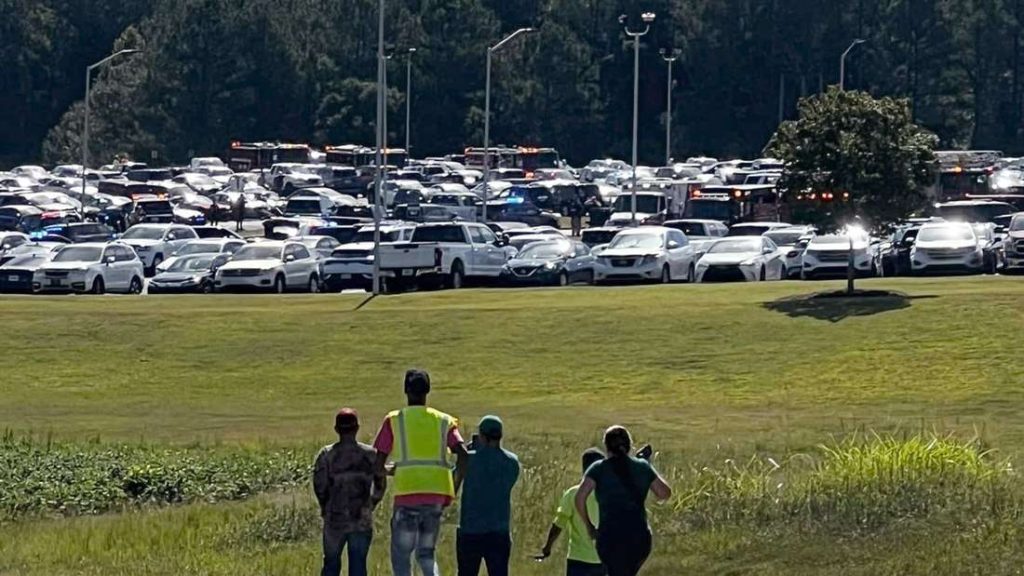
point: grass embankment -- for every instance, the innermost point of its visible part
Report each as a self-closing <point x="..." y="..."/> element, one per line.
<point x="719" y="378"/>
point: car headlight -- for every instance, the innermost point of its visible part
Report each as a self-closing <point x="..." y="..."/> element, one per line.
<point x="551" y="265"/>
<point x="750" y="262"/>
<point x="142" y="248"/>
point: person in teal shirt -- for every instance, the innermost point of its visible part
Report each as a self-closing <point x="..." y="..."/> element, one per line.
<point x="621" y="483"/>
<point x="484" y="534"/>
<point x="582" y="559"/>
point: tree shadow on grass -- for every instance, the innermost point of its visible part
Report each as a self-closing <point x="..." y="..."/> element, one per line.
<point x="838" y="306"/>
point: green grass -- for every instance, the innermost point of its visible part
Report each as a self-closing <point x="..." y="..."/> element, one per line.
<point x="708" y="374"/>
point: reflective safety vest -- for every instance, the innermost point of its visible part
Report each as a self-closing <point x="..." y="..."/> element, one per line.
<point x="421" y="451"/>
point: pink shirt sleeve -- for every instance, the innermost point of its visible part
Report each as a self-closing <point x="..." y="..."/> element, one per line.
<point x="385" y="438"/>
<point x="454" y="438"/>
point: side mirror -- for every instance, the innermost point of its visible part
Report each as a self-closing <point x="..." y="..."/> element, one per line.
<point x="672" y="244"/>
<point x="1000" y="230"/>
<point x="111" y="260"/>
<point x="767" y="251"/>
<point x="289" y="258"/>
<point x="501" y="242"/>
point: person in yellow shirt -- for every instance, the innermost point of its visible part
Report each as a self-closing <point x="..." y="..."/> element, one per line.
<point x="583" y="559"/>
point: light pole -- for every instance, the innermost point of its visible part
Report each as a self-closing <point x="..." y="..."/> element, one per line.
<point x="670" y="56"/>
<point x="379" y="173"/>
<point x="88" y="84"/>
<point x="487" y="114"/>
<point x="842" y="63"/>
<point x="408" y="96"/>
<point x="648" y="18"/>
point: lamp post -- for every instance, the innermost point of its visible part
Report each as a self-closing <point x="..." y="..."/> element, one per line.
<point x="842" y="63"/>
<point x="379" y="173"/>
<point x="487" y="113"/>
<point x="88" y="84"/>
<point x="648" y="18"/>
<point x="408" y="95"/>
<point x="669" y="56"/>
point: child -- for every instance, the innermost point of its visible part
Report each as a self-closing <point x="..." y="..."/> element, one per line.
<point x="583" y="559"/>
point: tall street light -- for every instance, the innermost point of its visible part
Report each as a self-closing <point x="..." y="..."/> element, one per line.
<point x="842" y="63"/>
<point x="378" y="206"/>
<point x="88" y="84"/>
<point x="487" y="113"/>
<point x="670" y="56"/>
<point x="408" y="95"/>
<point x="648" y="18"/>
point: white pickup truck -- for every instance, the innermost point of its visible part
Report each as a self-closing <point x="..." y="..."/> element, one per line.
<point x="445" y="253"/>
<point x="351" y="265"/>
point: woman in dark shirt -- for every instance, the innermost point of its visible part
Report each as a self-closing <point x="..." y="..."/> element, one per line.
<point x="621" y="483"/>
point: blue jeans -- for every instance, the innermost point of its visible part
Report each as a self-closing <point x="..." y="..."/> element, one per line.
<point x="358" y="548"/>
<point x="415" y="529"/>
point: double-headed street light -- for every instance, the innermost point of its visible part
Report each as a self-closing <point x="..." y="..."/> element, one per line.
<point x="842" y="63"/>
<point x="647" y="18"/>
<point x="408" y="94"/>
<point x="88" y="84"/>
<point x="669" y="56"/>
<point x="487" y="113"/>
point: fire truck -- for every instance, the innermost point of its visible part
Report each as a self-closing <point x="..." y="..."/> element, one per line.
<point x="248" y="156"/>
<point x="357" y="156"/>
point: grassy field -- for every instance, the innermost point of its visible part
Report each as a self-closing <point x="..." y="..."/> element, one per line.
<point x="708" y="374"/>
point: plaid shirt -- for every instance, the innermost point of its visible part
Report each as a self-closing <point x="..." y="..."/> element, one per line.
<point x="344" y="482"/>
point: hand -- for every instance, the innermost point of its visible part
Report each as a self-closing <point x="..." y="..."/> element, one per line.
<point x="592" y="531"/>
<point x="545" y="553"/>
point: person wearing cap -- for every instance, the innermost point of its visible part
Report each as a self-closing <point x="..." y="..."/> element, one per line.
<point x="583" y="559"/>
<point x="348" y="487"/>
<point x="418" y="439"/>
<point x="484" y="534"/>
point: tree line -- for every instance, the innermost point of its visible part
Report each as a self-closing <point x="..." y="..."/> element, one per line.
<point x="213" y="71"/>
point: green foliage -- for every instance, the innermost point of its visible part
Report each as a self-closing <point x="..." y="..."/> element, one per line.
<point x="850" y="143"/>
<point x="75" y="478"/>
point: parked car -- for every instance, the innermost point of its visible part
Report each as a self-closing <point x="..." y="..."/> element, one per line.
<point x="647" y="254"/>
<point x="465" y="205"/>
<point x="350" y="265"/>
<point x="215" y="232"/>
<point x="80" y="232"/>
<point x="755" y="228"/>
<point x="30" y="248"/>
<point x="599" y="236"/>
<point x="992" y="246"/>
<point x="424" y="213"/>
<point x="275" y="266"/>
<point x="947" y="247"/>
<point x="792" y="242"/>
<point x="93" y="267"/>
<point x="742" y="258"/>
<point x="445" y="253"/>
<point x="188" y="274"/>
<point x="17" y="273"/>
<point x="520" y="241"/>
<point x="828" y="256"/>
<point x="10" y="240"/>
<point x="208" y="246"/>
<point x="893" y="256"/>
<point x="557" y="262"/>
<point x="155" y="242"/>
<point x="1013" y="245"/>
<point x="151" y="211"/>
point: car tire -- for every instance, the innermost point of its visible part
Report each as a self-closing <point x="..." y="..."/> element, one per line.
<point x="280" y="287"/>
<point x="206" y="288"/>
<point x="591" y="278"/>
<point x="457" y="276"/>
<point x="314" y="285"/>
<point x="563" y="278"/>
<point x="666" y="275"/>
<point x="135" y="286"/>
<point x="98" y="286"/>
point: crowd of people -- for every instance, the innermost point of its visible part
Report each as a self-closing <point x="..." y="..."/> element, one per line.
<point x="605" y="515"/>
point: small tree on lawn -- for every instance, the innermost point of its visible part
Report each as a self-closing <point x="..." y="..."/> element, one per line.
<point x="851" y="156"/>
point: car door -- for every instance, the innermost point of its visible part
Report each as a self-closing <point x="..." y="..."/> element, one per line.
<point x="128" y="264"/>
<point x="773" y="262"/>
<point x="113" y="274"/>
<point x="680" y="253"/>
<point x="496" y="255"/>
<point x="580" y="265"/>
<point x="478" y="252"/>
<point x="293" y="266"/>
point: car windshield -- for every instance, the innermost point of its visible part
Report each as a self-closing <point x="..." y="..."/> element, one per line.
<point x="24" y="260"/>
<point x="645" y="203"/>
<point x="198" y="248"/>
<point x="736" y="246"/>
<point x="647" y="241"/>
<point x="156" y="207"/>
<point x="258" y="253"/>
<point x="688" y="228"/>
<point x="192" y="264"/>
<point x="747" y="230"/>
<point x="945" y="234"/>
<point x="142" y="233"/>
<point x="785" y="238"/>
<point x="79" y="254"/>
<point x="367" y="236"/>
<point x="837" y="239"/>
<point x="544" y="251"/>
<point x="1017" y="224"/>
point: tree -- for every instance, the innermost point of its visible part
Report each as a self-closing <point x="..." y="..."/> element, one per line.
<point x="865" y="155"/>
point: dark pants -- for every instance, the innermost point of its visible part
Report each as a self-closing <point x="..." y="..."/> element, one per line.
<point x="623" y="551"/>
<point x="577" y="224"/>
<point x="358" y="548"/>
<point x="493" y="548"/>
<point x="577" y="568"/>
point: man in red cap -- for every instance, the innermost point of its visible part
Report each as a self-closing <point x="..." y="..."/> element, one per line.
<point x="348" y="489"/>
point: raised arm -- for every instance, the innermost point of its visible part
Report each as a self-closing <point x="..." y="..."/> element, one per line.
<point x="461" y="463"/>
<point x="662" y="491"/>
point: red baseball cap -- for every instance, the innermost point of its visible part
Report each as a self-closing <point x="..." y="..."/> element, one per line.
<point x="346" y="419"/>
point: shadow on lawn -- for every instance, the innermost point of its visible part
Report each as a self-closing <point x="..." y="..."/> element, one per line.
<point x="837" y="306"/>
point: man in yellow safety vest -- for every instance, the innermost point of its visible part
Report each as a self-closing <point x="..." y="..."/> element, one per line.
<point x="418" y="439"/>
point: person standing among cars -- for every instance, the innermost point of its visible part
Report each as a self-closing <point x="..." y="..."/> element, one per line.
<point x="348" y="488"/>
<point x="484" y="534"/>
<point x="576" y="210"/>
<point x="582" y="559"/>
<point x="420" y="439"/>
<point x="239" y="209"/>
<point x="621" y="483"/>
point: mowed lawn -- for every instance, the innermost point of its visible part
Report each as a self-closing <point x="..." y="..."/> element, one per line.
<point x="702" y="372"/>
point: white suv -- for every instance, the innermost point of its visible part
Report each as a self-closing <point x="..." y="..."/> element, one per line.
<point x="270" y="266"/>
<point x="829" y="256"/>
<point x="946" y="247"/>
<point x="155" y="242"/>
<point x="648" y="253"/>
<point x="91" y="267"/>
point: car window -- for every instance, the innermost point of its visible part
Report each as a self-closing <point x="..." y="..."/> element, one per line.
<point x="327" y="244"/>
<point x="487" y="234"/>
<point x="301" y="253"/>
<point x="110" y="252"/>
<point x="580" y="249"/>
<point x="233" y="247"/>
<point x="124" y="254"/>
<point x="678" y="237"/>
<point x="768" y="244"/>
<point x="476" y="235"/>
